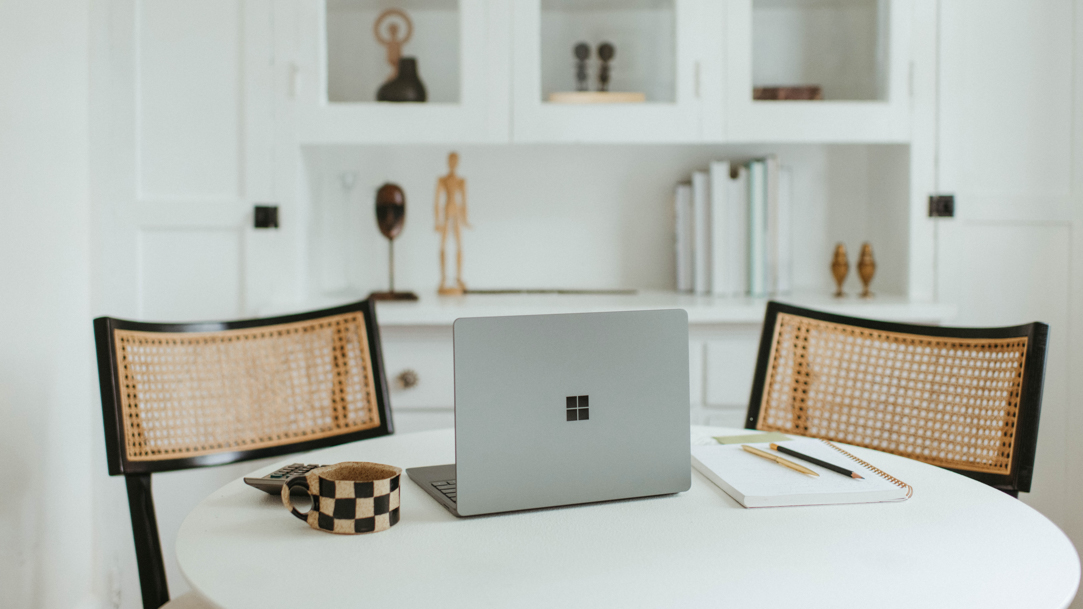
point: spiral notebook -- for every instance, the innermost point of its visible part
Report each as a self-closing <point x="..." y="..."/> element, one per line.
<point x="756" y="482"/>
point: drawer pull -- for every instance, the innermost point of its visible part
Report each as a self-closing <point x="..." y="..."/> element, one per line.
<point x="406" y="379"/>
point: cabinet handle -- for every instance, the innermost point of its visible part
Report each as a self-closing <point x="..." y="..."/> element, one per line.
<point x="407" y="379"/>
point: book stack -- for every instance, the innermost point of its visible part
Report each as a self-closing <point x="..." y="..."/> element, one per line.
<point x="733" y="223"/>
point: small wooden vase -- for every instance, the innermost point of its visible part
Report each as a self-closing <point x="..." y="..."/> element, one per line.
<point x="866" y="268"/>
<point x="840" y="268"/>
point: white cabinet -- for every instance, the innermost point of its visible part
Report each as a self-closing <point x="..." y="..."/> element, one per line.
<point x="491" y="66"/>
<point x="332" y="66"/>
<point x="857" y="51"/>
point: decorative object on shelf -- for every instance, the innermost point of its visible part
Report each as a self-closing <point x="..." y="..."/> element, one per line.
<point x="866" y="268"/>
<point x="391" y="40"/>
<point x="840" y="268"/>
<point x="803" y="92"/>
<point x="602" y="96"/>
<point x="406" y="379"/>
<point x="403" y="84"/>
<point x="606" y="51"/>
<point x="452" y="219"/>
<point x="596" y="97"/>
<point x="406" y="87"/>
<point x="582" y="54"/>
<point x="391" y="216"/>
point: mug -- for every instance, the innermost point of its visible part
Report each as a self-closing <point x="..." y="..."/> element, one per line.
<point x="349" y="498"/>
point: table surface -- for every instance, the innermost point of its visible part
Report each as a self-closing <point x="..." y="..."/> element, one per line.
<point x="955" y="543"/>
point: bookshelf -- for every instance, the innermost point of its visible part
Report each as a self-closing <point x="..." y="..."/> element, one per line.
<point x="578" y="195"/>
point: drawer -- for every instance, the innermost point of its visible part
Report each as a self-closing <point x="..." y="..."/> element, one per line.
<point x="428" y="352"/>
<point x="729" y="366"/>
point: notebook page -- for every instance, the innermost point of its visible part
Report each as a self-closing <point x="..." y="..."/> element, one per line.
<point x="762" y="482"/>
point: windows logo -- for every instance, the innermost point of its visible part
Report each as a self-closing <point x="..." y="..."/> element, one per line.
<point x="578" y="407"/>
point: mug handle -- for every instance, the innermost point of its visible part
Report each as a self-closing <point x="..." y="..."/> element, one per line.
<point x="298" y="481"/>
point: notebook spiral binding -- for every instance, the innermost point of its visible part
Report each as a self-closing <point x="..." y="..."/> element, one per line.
<point x="878" y="471"/>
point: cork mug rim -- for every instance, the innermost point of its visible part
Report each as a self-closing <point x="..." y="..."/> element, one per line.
<point x="356" y="471"/>
<point x="348" y="498"/>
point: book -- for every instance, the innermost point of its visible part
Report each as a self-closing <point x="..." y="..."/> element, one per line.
<point x="721" y="281"/>
<point x="785" y="231"/>
<point x="771" y="246"/>
<point x="701" y="240"/>
<point x="756" y="482"/>
<point x="682" y="204"/>
<point x="737" y="231"/>
<point x="757" y="228"/>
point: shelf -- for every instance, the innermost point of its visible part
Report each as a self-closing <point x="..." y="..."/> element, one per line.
<point x="357" y="63"/>
<point x="462" y="60"/>
<point x="434" y="310"/>
<point x="642" y="34"/>
<point x="839" y="45"/>
<point x="656" y="44"/>
<point x="857" y="51"/>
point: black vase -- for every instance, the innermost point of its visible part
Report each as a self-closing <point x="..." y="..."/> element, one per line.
<point x="406" y="87"/>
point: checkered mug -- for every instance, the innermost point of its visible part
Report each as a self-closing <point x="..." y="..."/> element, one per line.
<point x="349" y="498"/>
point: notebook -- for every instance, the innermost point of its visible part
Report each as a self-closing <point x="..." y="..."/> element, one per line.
<point x="756" y="482"/>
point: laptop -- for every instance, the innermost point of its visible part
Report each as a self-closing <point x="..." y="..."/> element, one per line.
<point x="556" y="410"/>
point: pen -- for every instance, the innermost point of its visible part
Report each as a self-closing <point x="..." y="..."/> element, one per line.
<point x="815" y="461"/>
<point x="783" y="462"/>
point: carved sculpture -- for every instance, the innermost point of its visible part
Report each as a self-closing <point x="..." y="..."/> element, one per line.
<point x="866" y="268"/>
<point x="451" y="220"/>
<point x="840" y="268"/>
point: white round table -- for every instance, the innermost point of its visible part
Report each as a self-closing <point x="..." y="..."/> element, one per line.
<point x="955" y="543"/>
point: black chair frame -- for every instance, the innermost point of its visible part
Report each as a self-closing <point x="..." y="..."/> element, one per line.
<point x="152" y="578"/>
<point x="1030" y="400"/>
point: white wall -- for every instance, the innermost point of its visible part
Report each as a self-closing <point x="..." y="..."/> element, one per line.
<point x="48" y="403"/>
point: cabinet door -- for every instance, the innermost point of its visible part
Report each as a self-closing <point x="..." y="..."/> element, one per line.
<point x="183" y="145"/>
<point x="657" y="54"/>
<point x="857" y="52"/>
<point x="1007" y="153"/>
<point x="335" y="65"/>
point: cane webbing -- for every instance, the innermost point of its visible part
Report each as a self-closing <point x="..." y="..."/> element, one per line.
<point x="951" y="402"/>
<point x="186" y="394"/>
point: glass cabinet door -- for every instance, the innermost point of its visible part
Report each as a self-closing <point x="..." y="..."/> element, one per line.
<point x="605" y="71"/>
<point x="349" y="87"/>
<point x="818" y="70"/>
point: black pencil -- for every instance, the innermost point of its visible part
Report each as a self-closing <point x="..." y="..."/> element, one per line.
<point x="815" y="461"/>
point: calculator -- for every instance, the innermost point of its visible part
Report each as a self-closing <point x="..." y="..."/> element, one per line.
<point x="272" y="482"/>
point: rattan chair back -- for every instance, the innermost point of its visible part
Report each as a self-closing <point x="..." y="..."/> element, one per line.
<point x="967" y="399"/>
<point x="177" y="396"/>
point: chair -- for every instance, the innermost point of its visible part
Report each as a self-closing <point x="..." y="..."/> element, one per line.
<point x="183" y="395"/>
<point x="966" y="399"/>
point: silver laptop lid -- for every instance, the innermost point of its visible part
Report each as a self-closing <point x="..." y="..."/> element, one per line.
<point x="517" y="443"/>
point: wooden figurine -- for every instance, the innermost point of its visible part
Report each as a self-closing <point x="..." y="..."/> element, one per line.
<point x="840" y="268"/>
<point x="582" y="54"/>
<point x="392" y="40"/>
<point x="606" y="51"/>
<point x="866" y="268"/>
<point x="452" y="219"/>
